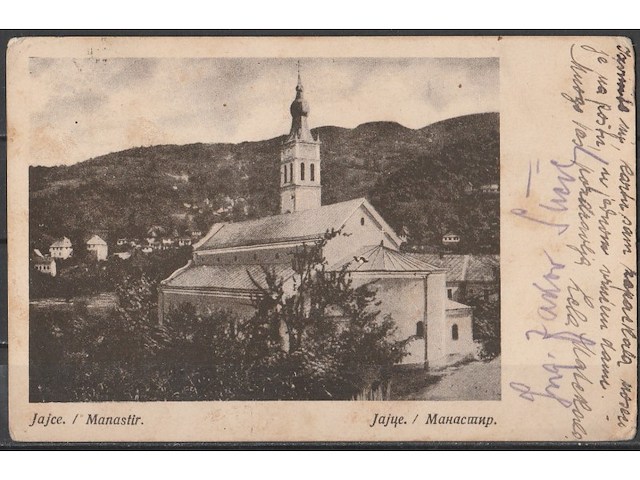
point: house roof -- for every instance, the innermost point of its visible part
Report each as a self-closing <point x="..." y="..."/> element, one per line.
<point x="96" y="240"/>
<point x="63" y="242"/>
<point x="223" y="277"/>
<point x="378" y="258"/>
<point x="464" y="268"/>
<point x="452" y="305"/>
<point x="42" y="260"/>
<point x="305" y="225"/>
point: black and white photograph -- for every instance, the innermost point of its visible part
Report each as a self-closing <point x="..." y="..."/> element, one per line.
<point x="249" y="229"/>
<point x="321" y="239"/>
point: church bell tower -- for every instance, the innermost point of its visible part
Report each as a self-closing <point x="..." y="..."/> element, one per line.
<point x="300" y="187"/>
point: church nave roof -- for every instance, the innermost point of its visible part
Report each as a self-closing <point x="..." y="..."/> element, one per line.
<point x="305" y="225"/>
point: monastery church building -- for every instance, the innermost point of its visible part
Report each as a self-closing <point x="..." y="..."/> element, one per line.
<point x="231" y="254"/>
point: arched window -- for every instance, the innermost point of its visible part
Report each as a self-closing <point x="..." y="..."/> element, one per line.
<point x="362" y="221"/>
<point x="291" y="172"/>
<point x="285" y="174"/>
<point x="420" y="329"/>
<point x="454" y="331"/>
<point x="302" y="171"/>
<point x="312" y="172"/>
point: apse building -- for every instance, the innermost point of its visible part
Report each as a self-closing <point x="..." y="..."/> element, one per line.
<point x="232" y="256"/>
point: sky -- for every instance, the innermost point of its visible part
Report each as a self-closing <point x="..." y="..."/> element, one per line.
<point x="89" y="107"/>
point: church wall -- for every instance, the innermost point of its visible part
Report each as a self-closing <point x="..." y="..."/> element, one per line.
<point x="357" y="236"/>
<point x="307" y="198"/>
<point x="464" y="345"/>
<point x="300" y="150"/>
<point x="403" y="299"/>
<point x="436" y="326"/>
<point x="203" y="303"/>
<point x="287" y="202"/>
<point x="261" y="256"/>
<point x="299" y="198"/>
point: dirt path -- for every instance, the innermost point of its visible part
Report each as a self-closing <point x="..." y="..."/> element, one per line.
<point x="472" y="381"/>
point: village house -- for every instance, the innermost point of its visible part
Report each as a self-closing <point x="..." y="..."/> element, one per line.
<point x="44" y="264"/>
<point x="231" y="256"/>
<point x="167" y="242"/>
<point x="97" y="247"/>
<point x="184" y="241"/>
<point x="450" y="239"/>
<point x="490" y="189"/>
<point x="62" y="248"/>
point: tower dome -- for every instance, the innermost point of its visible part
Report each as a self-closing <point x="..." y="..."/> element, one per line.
<point x="299" y="111"/>
<point x="299" y="107"/>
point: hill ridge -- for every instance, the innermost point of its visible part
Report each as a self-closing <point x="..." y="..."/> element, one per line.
<point x="124" y="192"/>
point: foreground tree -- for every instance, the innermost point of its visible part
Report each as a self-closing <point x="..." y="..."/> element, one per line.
<point x="315" y="336"/>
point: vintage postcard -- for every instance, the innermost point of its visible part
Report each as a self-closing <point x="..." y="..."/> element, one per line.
<point x="322" y="239"/>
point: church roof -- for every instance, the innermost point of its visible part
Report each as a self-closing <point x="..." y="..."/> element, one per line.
<point x="465" y="268"/>
<point x="378" y="258"/>
<point x="305" y="225"/>
<point x="299" y="112"/>
<point x="223" y="277"/>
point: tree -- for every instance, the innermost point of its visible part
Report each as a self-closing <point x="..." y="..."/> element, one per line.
<point x="323" y="340"/>
<point x="202" y="355"/>
<point x="486" y="318"/>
